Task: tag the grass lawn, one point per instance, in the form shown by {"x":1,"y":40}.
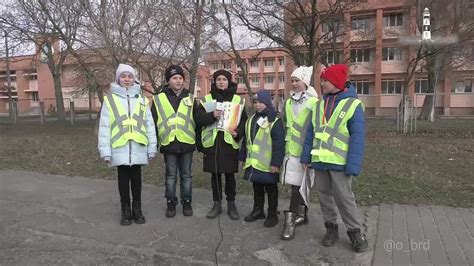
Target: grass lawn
{"x":434,"y":166}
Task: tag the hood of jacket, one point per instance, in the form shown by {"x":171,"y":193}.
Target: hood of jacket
{"x":120,"y":91}
{"x":224,"y":95}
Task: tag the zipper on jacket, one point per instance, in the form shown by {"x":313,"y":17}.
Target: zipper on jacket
{"x":129,"y":142}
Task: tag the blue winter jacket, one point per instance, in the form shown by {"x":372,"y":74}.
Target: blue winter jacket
{"x":132,"y":153}
{"x":356,"y":128}
{"x":278,"y":148}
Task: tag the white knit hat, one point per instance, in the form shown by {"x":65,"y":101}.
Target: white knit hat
{"x":303,"y":73}
{"x":124,"y":68}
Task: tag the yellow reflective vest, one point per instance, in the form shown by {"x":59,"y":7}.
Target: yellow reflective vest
{"x":331,"y":139}
{"x":123,"y":127}
{"x":259,"y":150}
{"x":209,"y":133}
{"x":296,"y":127}
{"x":173,"y":125}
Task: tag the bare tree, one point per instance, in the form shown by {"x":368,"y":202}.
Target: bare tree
{"x":441,"y":55}
{"x":194,"y":17}
{"x":305,"y":29}
{"x":226,"y":21}
{"x":31,"y":24}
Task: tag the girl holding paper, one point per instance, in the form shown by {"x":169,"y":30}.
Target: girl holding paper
{"x":220,"y":146}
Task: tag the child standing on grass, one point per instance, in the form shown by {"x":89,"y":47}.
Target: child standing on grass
{"x":127,"y":139}
{"x":334,"y":146}
{"x":263,"y":149}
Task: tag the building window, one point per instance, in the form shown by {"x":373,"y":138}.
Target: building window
{"x":362,"y":86}
{"x":214,"y":65}
{"x":281,"y":77}
{"x":392,"y":86}
{"x":227,"y":64}
{"x":331,"y":26}
{"x":4,"y":73}
{"x":34,"y":96}
{"x":332,"y":57}
{"x":198,"y":81}
{"x":240,"y":79}
{"x":299,"y":30}
{"x":268,"y":62}
{"x":244,"y":65}
{"x":361,"y":24}
{"x":392,"y":54}
{"x":281,"y":61}
{"x":360,"y":55}
{"x":269,"y":79}
{"x":463,"y":86}
{"x":303,"y":58}
{"x":254,"y":80}
{"x":254,"y":64}
{"x":421,"y":86}
{"x":393,"y":20}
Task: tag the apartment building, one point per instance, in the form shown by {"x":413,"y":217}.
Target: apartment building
{"x":378,"y":62}
{"x":32,"y":82}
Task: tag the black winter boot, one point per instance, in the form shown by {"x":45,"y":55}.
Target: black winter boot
{"x":332,"y":234}
{"x":215,"y":211}
{"x":187,"y":209}
{"x":256,"y":214}
{"x":302,"y":215}
{"x":126,"y":214}
{"x":232,"y":211}
{"x":359,"y":242}
{"x":272,"y":219}
{"x":170,"y":209}
{"x":137,"y":214}
{"x":289,"y":226}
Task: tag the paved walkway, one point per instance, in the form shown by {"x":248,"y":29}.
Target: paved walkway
{"x":48,"y":219}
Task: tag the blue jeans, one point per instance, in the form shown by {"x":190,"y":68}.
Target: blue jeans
{"x":179,"y":163}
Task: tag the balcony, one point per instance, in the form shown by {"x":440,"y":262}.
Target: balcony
{"x":393,"y":32}
{"x":362,"y":68}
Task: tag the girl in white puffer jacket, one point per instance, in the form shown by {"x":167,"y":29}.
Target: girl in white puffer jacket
{"x":128,"y":154}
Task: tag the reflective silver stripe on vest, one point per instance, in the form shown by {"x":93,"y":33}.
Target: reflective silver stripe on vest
{"x":163,"y":118}
{"x":207,"y":136}
{"x":139,"y":118}
{"x":118,"y":119}
{"x":317,"y":122}
{"x":302,"y":130}
{"x":187,"y":120}
{"x":260,"y":156}
{"x":334,"y":132}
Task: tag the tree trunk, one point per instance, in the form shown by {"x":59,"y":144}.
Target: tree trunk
{"x":427,"y":110}
{"x":197,"y":46}
{"x":59,"y":97}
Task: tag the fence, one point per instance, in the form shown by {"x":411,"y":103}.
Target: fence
{"x":44,"y":110}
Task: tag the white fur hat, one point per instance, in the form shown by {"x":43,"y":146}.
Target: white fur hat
{"x":303,"y":73}
{"x":124,"y":68}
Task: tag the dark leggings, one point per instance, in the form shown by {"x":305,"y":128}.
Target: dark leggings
{"x":259,"y":196}
{"x":129,"y":176}
{"x":216,"y":183}
{"x":296,"y":199}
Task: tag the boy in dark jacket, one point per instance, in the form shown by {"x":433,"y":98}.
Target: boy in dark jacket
{"x":334,"y":146}
{"x":263,"y":149}
{"x":173,"y":111}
